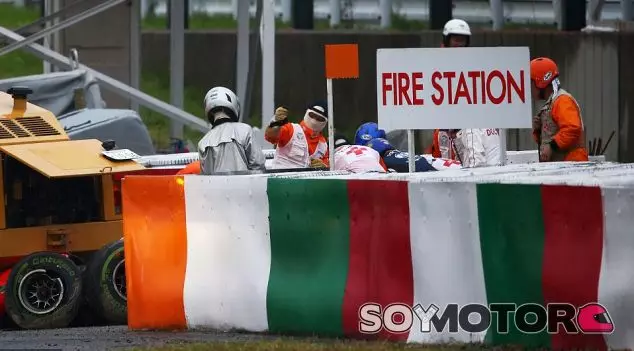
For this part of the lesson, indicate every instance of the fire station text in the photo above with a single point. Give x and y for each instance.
(451, 88)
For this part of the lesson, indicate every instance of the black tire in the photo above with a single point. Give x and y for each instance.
(43, 291)
(105, 284)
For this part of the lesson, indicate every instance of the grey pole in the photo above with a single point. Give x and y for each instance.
(386, 13)
(56, 41)
(595, 8)
(557, 11)
(177, 59)
(497, 13)
(254, 56)
(335, 12)
(235, 4)
(135, 49)
(267, 38)
(242, 59)
(287, 9)
(48, 10)
(626, 10)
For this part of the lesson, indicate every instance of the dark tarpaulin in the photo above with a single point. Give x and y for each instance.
(56, 92)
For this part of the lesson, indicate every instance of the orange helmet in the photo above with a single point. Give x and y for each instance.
(543, 71)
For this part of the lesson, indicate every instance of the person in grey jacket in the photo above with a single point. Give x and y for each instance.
(230, 145)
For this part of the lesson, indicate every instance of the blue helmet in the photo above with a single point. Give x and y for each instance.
(366, 132)
(381, 145)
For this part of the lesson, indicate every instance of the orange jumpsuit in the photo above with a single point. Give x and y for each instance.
(286, 133)
(435, 149)
(561, 124)
(192, 168)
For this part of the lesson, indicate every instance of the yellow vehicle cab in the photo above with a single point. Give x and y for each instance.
(59, 225)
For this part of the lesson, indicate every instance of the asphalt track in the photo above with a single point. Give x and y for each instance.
(108, 338)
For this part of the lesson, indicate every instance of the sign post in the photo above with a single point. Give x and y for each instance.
(411, 150)
(457, 88)
(342, 62)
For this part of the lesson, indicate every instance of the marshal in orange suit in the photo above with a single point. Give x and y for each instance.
(558, 127)
(192, 168)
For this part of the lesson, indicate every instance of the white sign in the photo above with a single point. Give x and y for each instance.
(454, 88)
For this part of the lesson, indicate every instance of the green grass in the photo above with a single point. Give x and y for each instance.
(204, 21)
(16, 17)
(308, 345)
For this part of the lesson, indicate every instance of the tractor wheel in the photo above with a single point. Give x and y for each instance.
(105, 284)
(43, 291)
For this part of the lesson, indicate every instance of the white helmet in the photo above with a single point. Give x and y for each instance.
(456, 27)
(222, 97)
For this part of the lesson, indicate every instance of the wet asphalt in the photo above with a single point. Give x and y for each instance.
(108, 338)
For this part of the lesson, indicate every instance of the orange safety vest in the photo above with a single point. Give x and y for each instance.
(563, 128)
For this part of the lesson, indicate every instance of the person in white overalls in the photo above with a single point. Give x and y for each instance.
(474, 147)
(299, 145)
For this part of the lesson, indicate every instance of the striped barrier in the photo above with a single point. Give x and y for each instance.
(302, 255)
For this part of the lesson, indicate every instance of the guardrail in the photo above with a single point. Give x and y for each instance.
(515, 11)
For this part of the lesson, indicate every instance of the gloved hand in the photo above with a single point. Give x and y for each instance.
(281, 114)
(317, 163)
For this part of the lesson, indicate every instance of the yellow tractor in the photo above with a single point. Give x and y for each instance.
(61, 246)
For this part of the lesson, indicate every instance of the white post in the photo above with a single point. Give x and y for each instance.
(557, 11)
(411, 150)
(177, 61)
(497, 13)
(135, 50)
(242, 57)
(56, 41)
(234, 9)
(335, 12)
(267, 39)
(331, 127)
(386, 13)
(48, 10)
(595, 7)
(145, 6)
(626, 10)
(286, 11)
(502, 146)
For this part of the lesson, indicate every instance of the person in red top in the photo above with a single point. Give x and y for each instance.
(299, 145)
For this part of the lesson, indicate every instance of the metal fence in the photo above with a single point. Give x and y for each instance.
(515, 11)
(596, 67)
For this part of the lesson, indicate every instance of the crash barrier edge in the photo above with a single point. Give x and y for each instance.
(302, 255)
